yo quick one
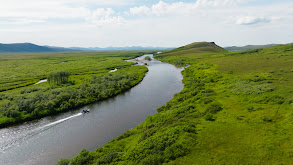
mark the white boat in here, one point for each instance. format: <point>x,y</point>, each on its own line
<point>85,111</point>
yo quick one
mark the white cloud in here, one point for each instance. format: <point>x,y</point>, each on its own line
<point>181,8</point>
<point>162,8</point>
<point>32,9</point>
<point>103,16</point>
<point>20,21</point>
<point>99,2</point>
<point>250,20</point>
<point>94,23</point>
<point>36,11</point>
<point>142,10</point>
<point>218,3</point>
<point>40,3</point>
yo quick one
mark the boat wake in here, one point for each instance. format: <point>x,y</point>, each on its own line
<point>15,136</point>
<point>60,121</point>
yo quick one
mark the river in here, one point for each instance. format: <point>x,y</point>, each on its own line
<point>49,139</point>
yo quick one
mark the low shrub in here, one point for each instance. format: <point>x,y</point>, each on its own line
<point>267,119</point>
<point>214,108</point>
<point>209,117</point>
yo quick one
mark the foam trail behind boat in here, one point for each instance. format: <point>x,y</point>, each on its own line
<point>22,135</point>
<point>61,120</point>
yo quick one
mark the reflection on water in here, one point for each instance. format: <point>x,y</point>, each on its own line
<point>47,140</point>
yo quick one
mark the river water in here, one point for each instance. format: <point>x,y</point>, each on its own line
<point>46,141</point>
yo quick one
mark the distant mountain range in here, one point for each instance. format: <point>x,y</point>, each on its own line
<point>119,48</point>
<point>29,48</point>
<point>248,47</point>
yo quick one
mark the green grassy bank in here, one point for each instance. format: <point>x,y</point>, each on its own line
<point>235,108</point>
<point>87,80</point>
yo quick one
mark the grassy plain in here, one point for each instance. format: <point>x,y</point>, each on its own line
<point>235,108</point>
<point>18,70</point>
<point>22,99</point>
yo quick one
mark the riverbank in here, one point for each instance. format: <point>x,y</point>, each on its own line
<point>72,98</point>
<point>85,86</point>
<point>48,140</point>
<point>235,108</point>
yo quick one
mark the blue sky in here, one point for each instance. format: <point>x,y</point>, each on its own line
<point>170,23</point>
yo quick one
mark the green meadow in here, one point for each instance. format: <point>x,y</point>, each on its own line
<point>75,79</point>
<point>235,108</point>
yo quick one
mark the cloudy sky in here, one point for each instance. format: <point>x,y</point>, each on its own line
<point>169,23</point>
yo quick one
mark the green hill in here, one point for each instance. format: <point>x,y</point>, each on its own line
<point>199,47</point>
<point>248,47</point>
<point>235,108</point>
<point>196,50</point>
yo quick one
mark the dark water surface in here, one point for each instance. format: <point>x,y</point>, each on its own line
<point>46,141</point>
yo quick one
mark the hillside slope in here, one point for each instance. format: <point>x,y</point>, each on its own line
<point>235,108</point>
<point>196,50</point>
<point>28,47</point>
<point>248,47</point>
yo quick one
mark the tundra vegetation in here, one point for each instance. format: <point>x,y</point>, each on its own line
<point>235,108</point>
<point>73,79</point>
